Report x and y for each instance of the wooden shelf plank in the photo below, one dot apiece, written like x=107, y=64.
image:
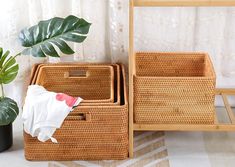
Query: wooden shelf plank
x=152, y=3
x=183, y=127
x=219, y=91
x=131, y=66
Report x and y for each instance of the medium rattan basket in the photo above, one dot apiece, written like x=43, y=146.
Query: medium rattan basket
x=90, y=82
x=116, y=67
x=88, y=133
x=174, y=88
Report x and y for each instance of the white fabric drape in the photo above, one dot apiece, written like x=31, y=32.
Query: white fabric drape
x=204, y=29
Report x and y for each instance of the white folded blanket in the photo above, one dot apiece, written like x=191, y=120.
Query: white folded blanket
x=45, y=111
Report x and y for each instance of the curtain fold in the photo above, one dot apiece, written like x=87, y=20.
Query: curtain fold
x=204, y=29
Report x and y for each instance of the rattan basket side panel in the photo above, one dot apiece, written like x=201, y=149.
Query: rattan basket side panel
x=209, y=68
x=175, y=100
x=94, y=140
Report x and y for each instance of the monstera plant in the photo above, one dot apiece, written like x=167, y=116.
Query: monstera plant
x=40, y=40
x=8, y=107
x=8, y=72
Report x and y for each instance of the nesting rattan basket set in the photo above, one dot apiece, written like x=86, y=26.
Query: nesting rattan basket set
x=98, y=127
x=167, y=91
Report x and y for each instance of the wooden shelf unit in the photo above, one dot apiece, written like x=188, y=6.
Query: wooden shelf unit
x=154, y=3
x=173, y=127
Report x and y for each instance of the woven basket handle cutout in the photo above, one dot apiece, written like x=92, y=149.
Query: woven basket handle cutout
x=76, y=74
x=81, y=117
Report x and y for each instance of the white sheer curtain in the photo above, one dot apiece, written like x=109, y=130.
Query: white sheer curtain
x=210, y=30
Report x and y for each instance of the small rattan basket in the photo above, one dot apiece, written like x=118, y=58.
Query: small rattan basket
x=90, y=82
x=172, y=88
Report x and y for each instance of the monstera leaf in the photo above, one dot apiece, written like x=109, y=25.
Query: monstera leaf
x=8, y=67
x=41, y=39
x=8, y=72
x=8, y=111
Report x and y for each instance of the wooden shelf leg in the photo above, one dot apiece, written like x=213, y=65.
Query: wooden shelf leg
x=131, y=66
x=131, y=144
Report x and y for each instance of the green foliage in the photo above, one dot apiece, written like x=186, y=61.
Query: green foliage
x=8, y=111
x=8, y=72
x=40, y=40
x=8, y=67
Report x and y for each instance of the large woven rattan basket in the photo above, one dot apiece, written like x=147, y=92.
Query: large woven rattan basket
x=174, y=88
x=88, y=133
x=90, y=82
x=36, y=68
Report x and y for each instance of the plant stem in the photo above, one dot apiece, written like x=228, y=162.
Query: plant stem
x=3, y=95
x=17, y=55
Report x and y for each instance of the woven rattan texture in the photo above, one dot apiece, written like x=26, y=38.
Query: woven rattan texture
x=97, y=86
x=174, y=88
x=116, y=67
x=103, y=136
